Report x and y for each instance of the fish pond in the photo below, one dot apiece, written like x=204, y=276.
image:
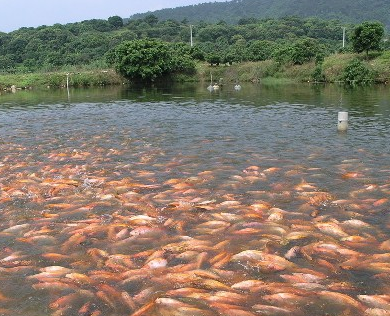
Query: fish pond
x=180, y=201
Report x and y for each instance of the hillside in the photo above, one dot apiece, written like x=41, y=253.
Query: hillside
x=354, y=11
x=87, y=43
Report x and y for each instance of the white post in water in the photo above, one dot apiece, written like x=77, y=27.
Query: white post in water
x=210, y=87
x=342, y=125
x=67, y=85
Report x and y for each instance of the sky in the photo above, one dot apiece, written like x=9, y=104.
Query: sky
x=32, y=13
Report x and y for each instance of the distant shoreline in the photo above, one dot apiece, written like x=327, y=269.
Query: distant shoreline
x=269, y=70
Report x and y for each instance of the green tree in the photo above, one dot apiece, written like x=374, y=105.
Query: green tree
x=213, y=59
x=119, y=37
x=229, y=58
x=16, y=48
x=197, y=53
x=261, y=50
x=142, y=59
x=151, y=19
x=244, y=21
x=367, y=36
x=304, y=50
x=299, y=52
x=6, y=62
x=212, y=33
x=116, y=21
x=283, y=54
x=148, y=60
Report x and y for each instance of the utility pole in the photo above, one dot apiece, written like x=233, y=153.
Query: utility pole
x=343, y=37
x=192, y=43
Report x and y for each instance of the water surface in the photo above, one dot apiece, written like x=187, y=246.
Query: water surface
x=113, y=193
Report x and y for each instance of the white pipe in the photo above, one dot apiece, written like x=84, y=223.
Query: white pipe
x=342, y=125
x=67, y=85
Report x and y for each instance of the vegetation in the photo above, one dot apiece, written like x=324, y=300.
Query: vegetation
x=148, y=49
x=357, y=72
x=60, y=47
x=350, y=68
x=147, y=60
x=249, y=11
x=84, y=78
x=367, y=36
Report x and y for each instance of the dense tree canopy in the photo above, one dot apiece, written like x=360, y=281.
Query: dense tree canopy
x=305, y=50
x=368, y=36
x=148, y=60
x=116, y=21
x=288, y=40
x=250, y=11
x=87, y=42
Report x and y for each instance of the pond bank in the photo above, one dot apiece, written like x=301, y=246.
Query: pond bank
x=96, y=77
x=331, y=70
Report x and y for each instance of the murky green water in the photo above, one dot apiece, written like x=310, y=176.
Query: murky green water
x=262, y=169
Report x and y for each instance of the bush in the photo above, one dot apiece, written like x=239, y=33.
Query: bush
x=214, y=59
x=318, y=75
x=301, y=51
x=148, y=60
x=356, y=72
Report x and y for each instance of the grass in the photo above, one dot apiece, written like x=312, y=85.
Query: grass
x=381, y=66
x=276, y=81
x=268, y=71
x=302, y=73
x=240, y=72
x=334, y=65
x=58, y=79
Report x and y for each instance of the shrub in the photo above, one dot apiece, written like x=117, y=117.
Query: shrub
x=357, y=72
x=318, y=75
x=148, y=60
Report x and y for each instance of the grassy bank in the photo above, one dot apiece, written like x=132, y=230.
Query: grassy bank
x=331, y=70
x=59, y=79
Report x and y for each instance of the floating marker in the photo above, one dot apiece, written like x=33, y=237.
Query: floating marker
x=342, y=125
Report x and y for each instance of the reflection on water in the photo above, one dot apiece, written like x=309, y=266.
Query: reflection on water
x=178, y=201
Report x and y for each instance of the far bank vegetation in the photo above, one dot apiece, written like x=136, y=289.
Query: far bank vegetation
x=300, y=49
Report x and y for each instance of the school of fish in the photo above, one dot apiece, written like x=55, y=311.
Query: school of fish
x=130, y=230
